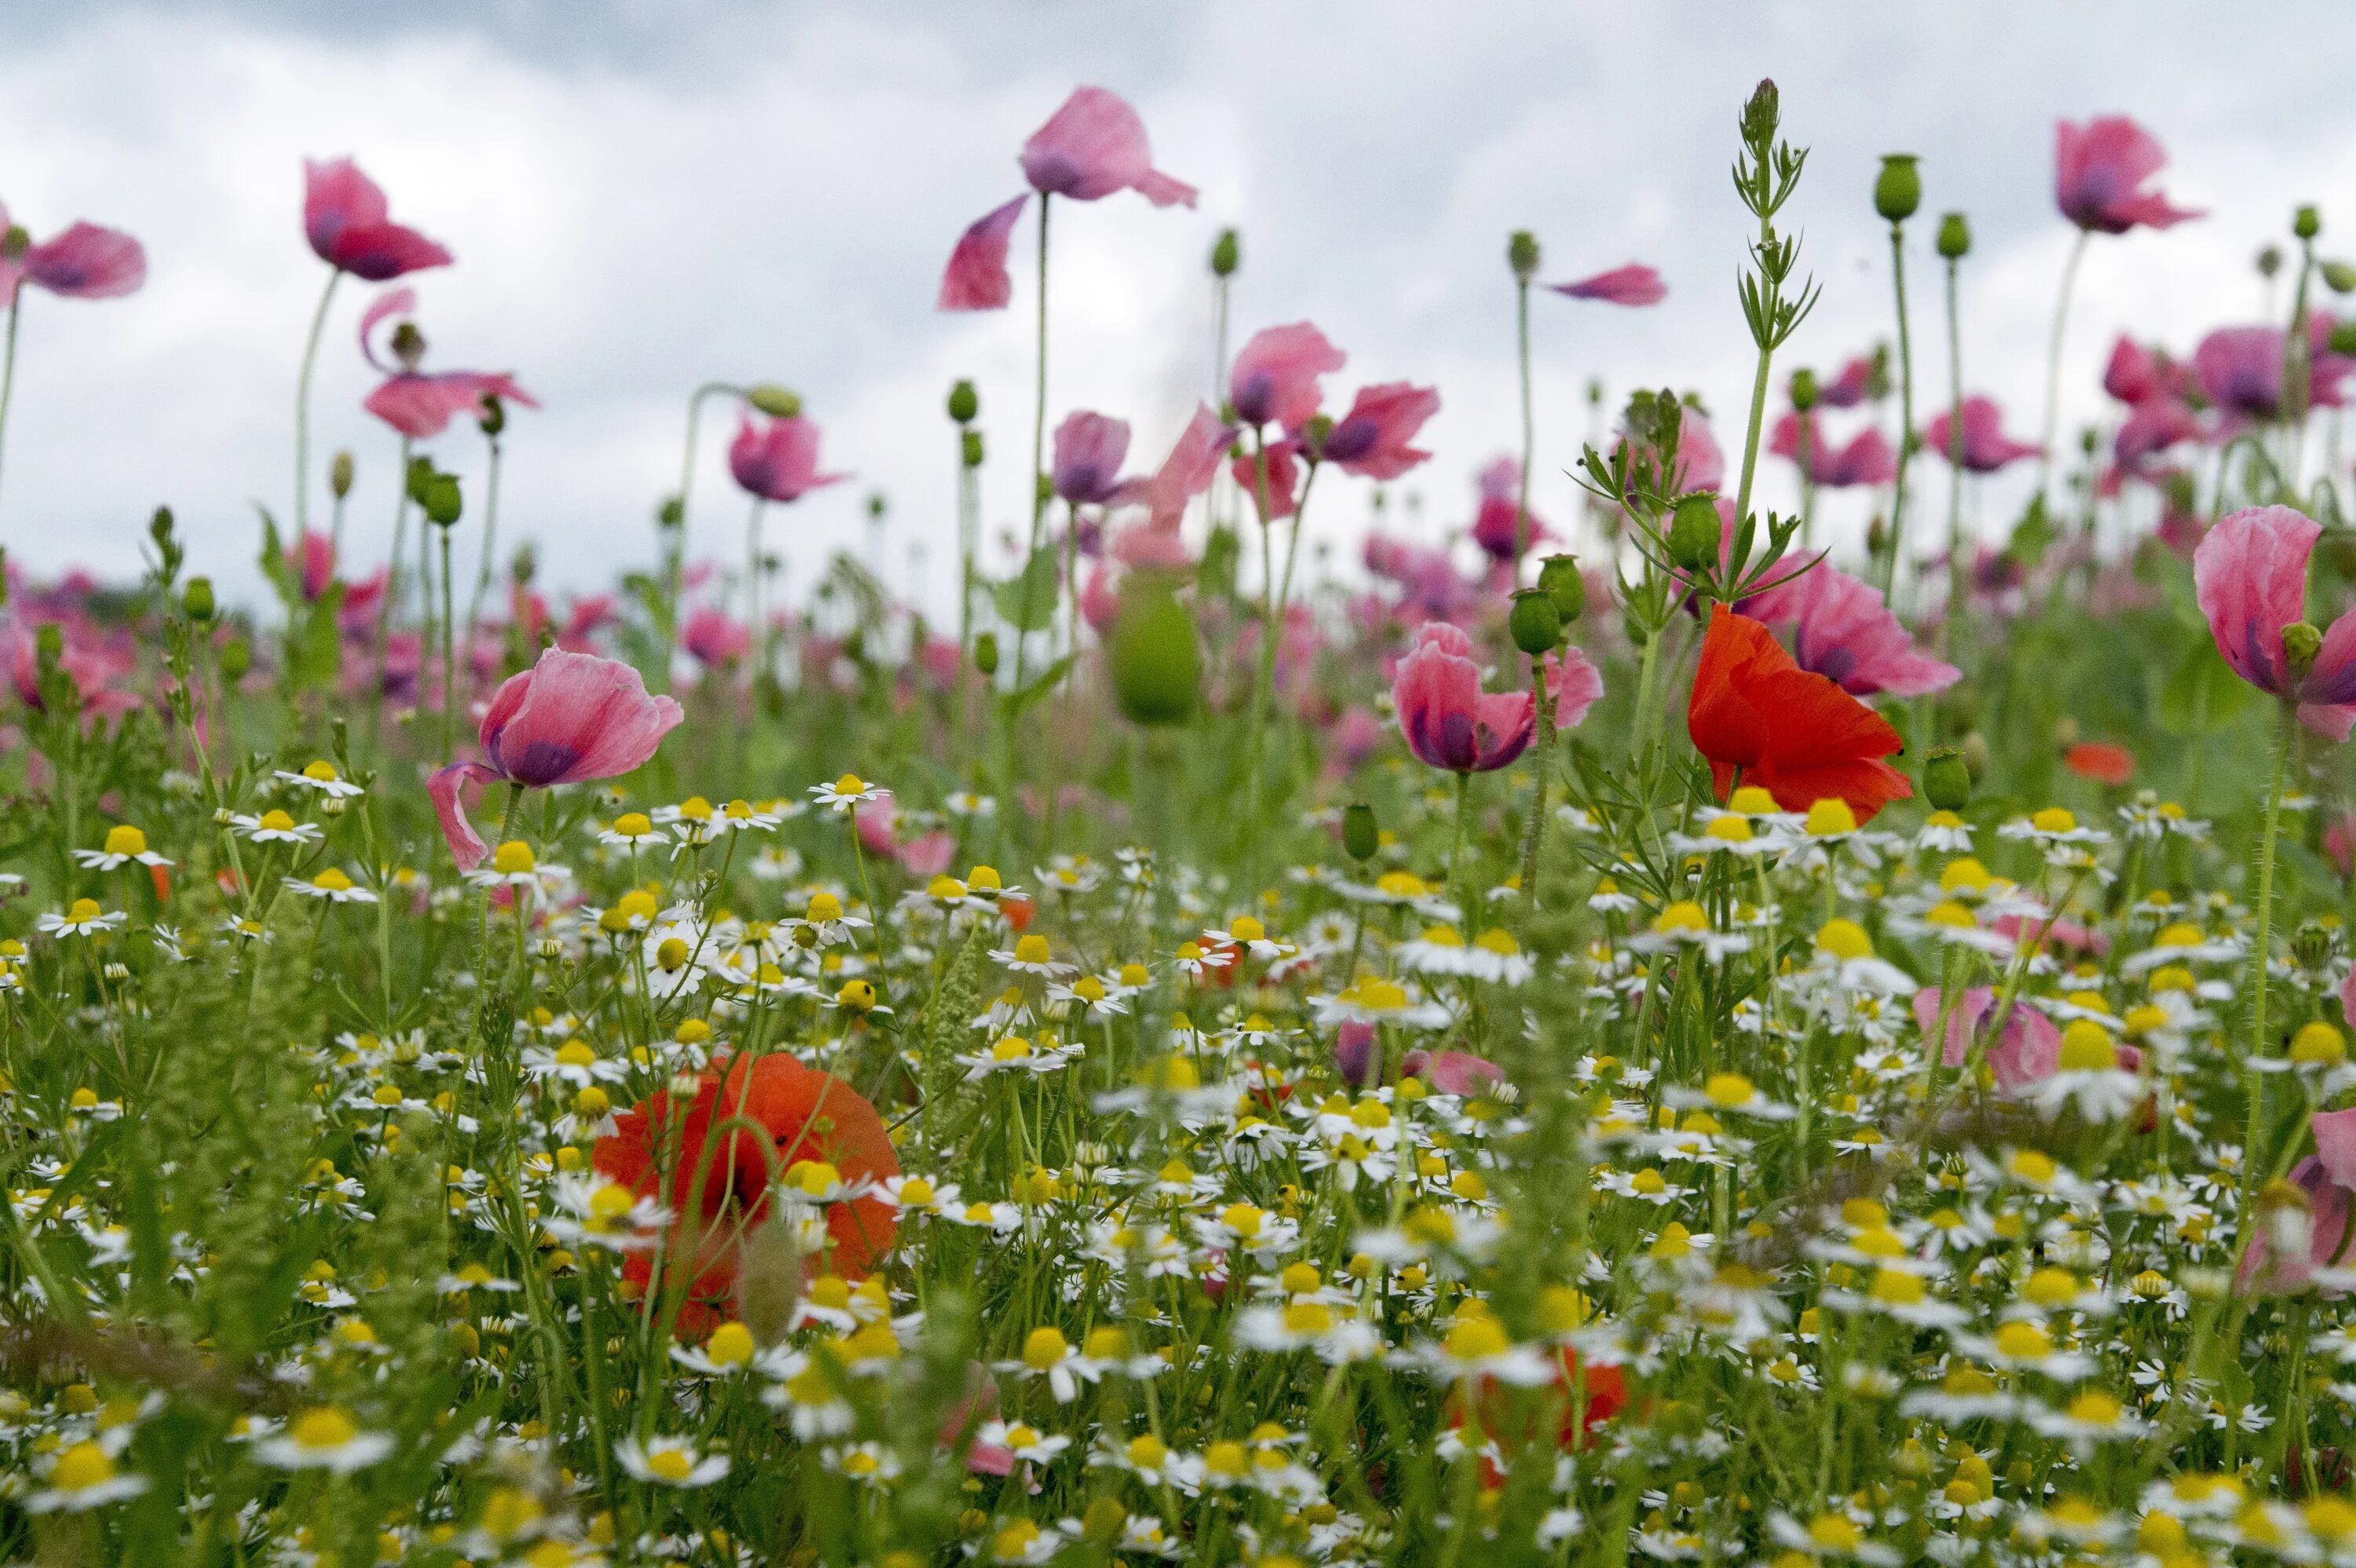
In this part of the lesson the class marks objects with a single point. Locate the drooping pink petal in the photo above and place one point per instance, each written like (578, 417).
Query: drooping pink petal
(2250, 579)
(1573, 686)
(87, 262)
(1189, 469)
(779, 460)
(1276, 378)
(1839, 626)
(1093, 146)
(1986, 446)
(466, 846)
(384, 307)
(419, 406)
(1633, 284)
(347, 220)
(976, 277)
(1370, 440)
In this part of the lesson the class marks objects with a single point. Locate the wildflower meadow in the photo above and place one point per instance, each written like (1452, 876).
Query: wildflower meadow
(1663, 1034)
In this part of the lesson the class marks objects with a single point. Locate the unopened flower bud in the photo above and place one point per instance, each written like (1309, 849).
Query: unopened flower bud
(493, 416)
(1898, 189)
(1522, 254)
(1877, 536)
(985, 652)
(1361, 836)
(196, 599)
(1946, 780)
(15, 242)
(1803, 389)
(1565, 585)
(1976, 754)
(2269, 260)
(769, 1281)
(1314, 434)
(443, 502)
(1762, 113)
(1154, 652)
(1695, 530)
(777, 402)
(420, 474)
(1226, 253)
(1534, 621)
(2343, 338)
(2302, 640)
(2306, 223)
(965, 403)
(236, 658)
(1954, 237)
(2311, 945)
(972, 449)
(2338, 277)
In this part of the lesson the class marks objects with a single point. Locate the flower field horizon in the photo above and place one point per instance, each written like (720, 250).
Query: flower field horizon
(1662, 1032)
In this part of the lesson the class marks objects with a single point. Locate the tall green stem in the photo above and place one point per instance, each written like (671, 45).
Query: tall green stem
(2252, 1080)
(8, 364)
(449, 658)
(1529, 429)
(1905, 415)
(1038, 457)
(1541, 758)
(2053, 364)
(1957, 575)
(302, 402)
(1457, 891)
(488, 562)
(752, 583)
(675, 562)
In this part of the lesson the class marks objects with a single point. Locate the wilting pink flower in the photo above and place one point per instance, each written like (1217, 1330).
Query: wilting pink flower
(1189, 469)
(1840, 628)
(1986, 446)
(2099, 169)
(2327, 1177)
(2028, 1053)
(1635, 283)
(347, 220)
(777, 459)
(419, 405)
(570, 718)
(1450, 722)
(1090, 148)
(312, 559)
(1370, 440)
(713, 637)
(1848, 388)
(1866, 459)
(1275, 380)
(1499, 519)
(2250, 577)
(1089, 449)
(85, 262)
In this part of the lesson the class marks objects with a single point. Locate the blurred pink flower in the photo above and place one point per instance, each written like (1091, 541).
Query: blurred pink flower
(2025, 1056)
(312, 559)
(1450, 722)
(1840, 628)
(1189, 469)
(1456, 1072)
(2327, 1177)
(1866, 459)
(1986, 446)
(2136, 374)
(2099, 170)
(777, 459)
(1498, 518)
(713, 637)
(1370, 440)
(419, 405)
(1701, 464)
(1848, 388)
(1350, 740)
(2240, 368)
(976, 277)
(1089, 449)
(1633, 284)
(2150, 428)
(2250, 577)
(85, 262)
(570, 718)
(1276, 377)
(347, 220)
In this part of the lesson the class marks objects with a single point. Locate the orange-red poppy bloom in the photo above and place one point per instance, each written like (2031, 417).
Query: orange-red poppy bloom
(2101, 762)
(1794, 734)
(664, 1150)
(1602, 1392)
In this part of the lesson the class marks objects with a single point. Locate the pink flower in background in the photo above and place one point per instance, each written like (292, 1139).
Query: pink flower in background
(1986, 446)
(1271, 478)
(1370, 440)
(1633, 284)
(1090, 148)
(2099, 170)
(1350, 740)
(1189, 469)
(570, 718)
(1849, 388)
(1456, 1072)
(2327, 1177)
(2151, 428)
(2136, 374)
(1435, 589)
(2240, 368)
(1277, 379)
(419, 405)
(713, 637)
(777, 459)
(2028, 1053)
(1840, 628)
(85, 262)
(1450, 722)
(348, 223)
(1866, 459)
(2250, 577)
(1089, 450)
(1499, 517)
(312, 559)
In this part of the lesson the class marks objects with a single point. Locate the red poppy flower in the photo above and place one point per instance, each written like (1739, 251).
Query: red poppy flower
(1794, 734)
(1606, 1390)
(2103, 763)
(804, 1115)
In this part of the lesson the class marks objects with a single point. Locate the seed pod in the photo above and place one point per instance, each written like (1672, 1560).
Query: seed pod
(1522, 254)
(1946, 780)
(985, 652)
(965, 403)
(1695, 530)
(1155, 652)
(1566, 584)
(1226, 253)
(777, 402)
(1534, 621)
(1954, 237)
(1898, 189)
(339, 475)
(1361, 835)
(196, 599)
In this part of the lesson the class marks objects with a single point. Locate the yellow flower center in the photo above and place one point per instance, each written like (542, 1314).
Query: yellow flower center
(1830, 816)
(326, 1427)
(2054, 819)
(731, 1345)
(125, 840)
(513, 858)
(81, 1467)
(1844, 939)
(277, 821)
(1030, 949)
(2086, 1047)
(670, 1465)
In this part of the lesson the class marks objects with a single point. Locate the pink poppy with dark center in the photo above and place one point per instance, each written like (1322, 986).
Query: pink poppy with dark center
(348, 223)
(2099, 170)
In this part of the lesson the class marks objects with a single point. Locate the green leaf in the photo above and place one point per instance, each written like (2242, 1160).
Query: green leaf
(1017, 703)
(1026, 601)
(2203, 696)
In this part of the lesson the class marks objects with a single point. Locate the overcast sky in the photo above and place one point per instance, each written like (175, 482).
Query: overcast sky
(646, 194)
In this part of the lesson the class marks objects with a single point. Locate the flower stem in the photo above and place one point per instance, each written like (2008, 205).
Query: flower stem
(488, 564)
(449, 658)
(8, 364)
(1956, 573)
(2253, 1082)
(1529, 429)
(1038, 457)
(1456, 855)
(2053, 364)
(1905, 415)
(302, 401)
(1541, 756)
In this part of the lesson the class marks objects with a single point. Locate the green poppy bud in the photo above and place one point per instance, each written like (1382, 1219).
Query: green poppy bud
(1946, 780)
(1976, 754)
(1954, 237)
(2306, 223)
(1522, 254)
(1695, 530)
(1565, 585)
(1155, 652)
(421, 474)
(196, 599)
(236, 658)
(2269, 260)
(972, 449)
(1804, 390)
(2302, 640)
(493, 417)
(2338, 277)
(15, 242)
(965, 403)
(1535, 623)
(2343, 338)
(774, 400)
(339, 475)
(1361, 836)
(442, 503)
(1226, 253)
(1898, 189)
(985, 652)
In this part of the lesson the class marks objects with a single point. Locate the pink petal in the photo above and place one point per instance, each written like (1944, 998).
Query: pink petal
(976, 277)
(87, 262)
(336, 195)
(466, 846)
(1190, 466)
(2250, 578)
(1276, 377)
(578, 718)
(1094, 145)
(1633, 284)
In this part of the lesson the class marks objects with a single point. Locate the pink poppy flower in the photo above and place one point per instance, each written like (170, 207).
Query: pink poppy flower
(1350, 740)
(1849, 388)
(713, 637)
(85, 262)
(777, 459)
(1271, 478)
(1633, 284)
(2099, 169)
(2327, 1177)
(570, 718)
(1839, 627)
(1456, 1072)
(312, 559)
(417, 404)
(1986, 446)
(2069, 934)
(2136, 374)
(1499, 517)
(1450, 722)
(1275, 380)
(1866, 459)
(1189, 469)
(1435, 589)
(1370, 440)
(2250, 577)
(2025, 1056)
(2151, 428)
(348, 221)
(1093, 146)
(2240, 368)
(1089, 449)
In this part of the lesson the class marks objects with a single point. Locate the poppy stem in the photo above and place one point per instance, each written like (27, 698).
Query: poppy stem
(2253, 1082)
(1957, 598)
(1039, 490)
(2053, 364)
(449, 657)
(1905, 416)
(753, 585)
(675, 560)
(302, 400)
(1456, 855)
(1541, 754)
(392, 596)
(489, 558)
(8, 364)
(1529, 431)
